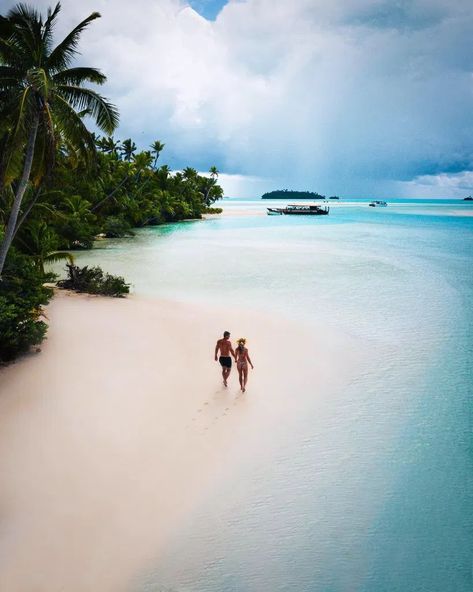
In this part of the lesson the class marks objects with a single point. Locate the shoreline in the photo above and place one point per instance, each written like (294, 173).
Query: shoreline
(120, 426)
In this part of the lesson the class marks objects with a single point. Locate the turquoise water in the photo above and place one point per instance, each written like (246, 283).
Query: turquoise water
(379, 496)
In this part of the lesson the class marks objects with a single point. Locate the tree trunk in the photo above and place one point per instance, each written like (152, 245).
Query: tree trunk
(28, 210)
(20, 192)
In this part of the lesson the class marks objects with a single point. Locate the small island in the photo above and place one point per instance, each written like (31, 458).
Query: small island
(289, 194)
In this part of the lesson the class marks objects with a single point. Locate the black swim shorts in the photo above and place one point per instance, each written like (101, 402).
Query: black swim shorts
(225, 361)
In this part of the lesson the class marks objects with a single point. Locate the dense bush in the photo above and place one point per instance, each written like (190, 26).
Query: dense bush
(117, 227)
(93, 280)
(22, 295)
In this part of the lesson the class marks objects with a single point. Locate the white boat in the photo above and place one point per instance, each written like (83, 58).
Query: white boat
(300, 210)
(378, 204)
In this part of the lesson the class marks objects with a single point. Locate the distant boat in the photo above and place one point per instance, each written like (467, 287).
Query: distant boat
(334, 197)
(469, 198)
(299, 210)
(378, 204)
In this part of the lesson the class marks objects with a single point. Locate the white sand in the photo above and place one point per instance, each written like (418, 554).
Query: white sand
(111, 435)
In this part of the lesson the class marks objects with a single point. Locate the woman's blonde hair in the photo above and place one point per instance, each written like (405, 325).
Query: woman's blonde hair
(242, 340)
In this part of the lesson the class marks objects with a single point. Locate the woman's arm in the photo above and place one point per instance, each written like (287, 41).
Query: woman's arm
(249, 359)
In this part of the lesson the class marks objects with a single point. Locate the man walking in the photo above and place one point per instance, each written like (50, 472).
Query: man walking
(225, 347)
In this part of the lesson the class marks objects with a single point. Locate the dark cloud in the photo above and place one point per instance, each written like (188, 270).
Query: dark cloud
(346, 96)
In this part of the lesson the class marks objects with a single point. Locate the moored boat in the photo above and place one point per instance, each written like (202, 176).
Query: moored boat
(299, 209)
(378, 204)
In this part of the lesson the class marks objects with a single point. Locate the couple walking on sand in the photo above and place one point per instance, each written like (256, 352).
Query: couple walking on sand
(241, 355)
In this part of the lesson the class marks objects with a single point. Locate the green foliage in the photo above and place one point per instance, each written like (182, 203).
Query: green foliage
(289, 194)
(22, 295)
(123, 190)
(93, 280)
(38, 87)
(117, 227)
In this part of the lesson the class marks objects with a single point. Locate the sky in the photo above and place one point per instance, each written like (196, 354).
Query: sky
(357, 98)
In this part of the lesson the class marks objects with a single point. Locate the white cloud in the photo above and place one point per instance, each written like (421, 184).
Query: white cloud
(340, 96)
(243, 186)
(456, 185)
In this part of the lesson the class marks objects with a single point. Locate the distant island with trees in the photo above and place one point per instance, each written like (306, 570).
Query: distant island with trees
(289, 194)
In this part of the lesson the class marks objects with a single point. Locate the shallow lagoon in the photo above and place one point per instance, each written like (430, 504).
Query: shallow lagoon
(373, 493)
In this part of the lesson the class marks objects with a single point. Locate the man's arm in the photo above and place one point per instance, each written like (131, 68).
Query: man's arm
(216, 350)
(232, 352)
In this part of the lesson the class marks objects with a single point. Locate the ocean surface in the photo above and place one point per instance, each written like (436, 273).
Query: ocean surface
(376, 496)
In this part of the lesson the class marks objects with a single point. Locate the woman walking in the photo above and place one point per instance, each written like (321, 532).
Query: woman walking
(242, 360)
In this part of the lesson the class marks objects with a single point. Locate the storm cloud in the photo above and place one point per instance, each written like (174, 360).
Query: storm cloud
(358, 98)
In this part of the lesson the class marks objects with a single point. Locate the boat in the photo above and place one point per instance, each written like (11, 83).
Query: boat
(378, 204)
(299, 210)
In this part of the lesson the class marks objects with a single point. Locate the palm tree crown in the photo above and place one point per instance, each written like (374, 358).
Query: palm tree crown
(38, 84)
(42, 102)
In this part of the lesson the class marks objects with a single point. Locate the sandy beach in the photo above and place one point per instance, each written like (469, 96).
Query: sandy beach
(120, 425)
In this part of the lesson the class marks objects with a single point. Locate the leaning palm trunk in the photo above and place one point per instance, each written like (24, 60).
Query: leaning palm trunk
(20, 192)
(28, 209)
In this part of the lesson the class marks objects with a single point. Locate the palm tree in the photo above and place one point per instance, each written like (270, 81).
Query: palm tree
(141, 161)
(189, 174)
(214, 172)
(42, 102)
(156, 149)
(40, 242)
(128, 148)
(109, 145)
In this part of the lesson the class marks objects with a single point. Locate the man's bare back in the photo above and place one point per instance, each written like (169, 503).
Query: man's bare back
(225, 347)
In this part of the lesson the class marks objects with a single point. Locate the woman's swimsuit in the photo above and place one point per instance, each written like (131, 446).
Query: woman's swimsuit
(242, 363)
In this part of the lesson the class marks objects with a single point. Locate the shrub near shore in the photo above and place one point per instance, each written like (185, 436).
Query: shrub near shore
(22, 296)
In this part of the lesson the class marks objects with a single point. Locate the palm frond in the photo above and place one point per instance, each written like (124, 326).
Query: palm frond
(8, 52)
(59, 256)
(26, 30)
(104, 113)
(77, 76)
(72, 129)
(9, 72)
(48, 27)
(63, 53)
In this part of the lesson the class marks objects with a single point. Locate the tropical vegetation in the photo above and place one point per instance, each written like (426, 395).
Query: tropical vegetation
(290, 194)
(93, 280)
(63, 185)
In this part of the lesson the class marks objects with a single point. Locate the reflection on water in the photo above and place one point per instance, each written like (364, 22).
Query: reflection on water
(371, 493)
